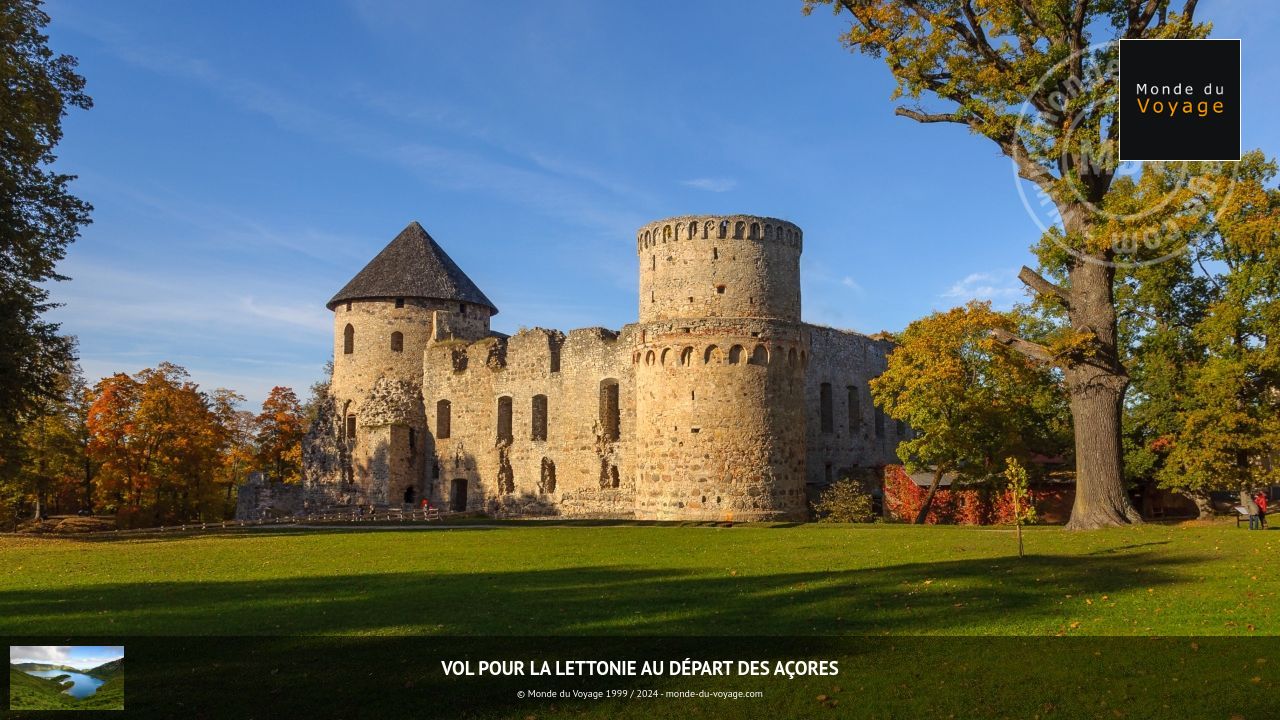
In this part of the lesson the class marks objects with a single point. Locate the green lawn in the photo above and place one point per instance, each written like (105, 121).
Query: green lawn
(547, 579)
(356, 623)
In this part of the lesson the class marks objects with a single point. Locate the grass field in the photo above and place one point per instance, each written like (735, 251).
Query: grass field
(549, 579)
(1160, 621)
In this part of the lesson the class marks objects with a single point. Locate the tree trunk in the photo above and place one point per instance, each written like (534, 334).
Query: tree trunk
(1096, 385)
(1204, 505)
(928, 498)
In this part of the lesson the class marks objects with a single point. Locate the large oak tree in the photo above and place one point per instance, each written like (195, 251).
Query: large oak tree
(1033, 77)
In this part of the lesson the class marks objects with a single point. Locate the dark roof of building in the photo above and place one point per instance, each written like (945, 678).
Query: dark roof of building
(412, 265)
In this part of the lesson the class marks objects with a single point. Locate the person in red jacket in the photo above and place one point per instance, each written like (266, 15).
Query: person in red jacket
(1261, 500)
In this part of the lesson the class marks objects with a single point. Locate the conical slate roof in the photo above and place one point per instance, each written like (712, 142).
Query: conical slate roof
(412, 265)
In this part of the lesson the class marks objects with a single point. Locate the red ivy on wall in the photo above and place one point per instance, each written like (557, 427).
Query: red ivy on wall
(962, 506)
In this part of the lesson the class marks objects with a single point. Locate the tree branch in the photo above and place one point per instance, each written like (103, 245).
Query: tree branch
(1036, 281)
(1032, 350)
(924, 117)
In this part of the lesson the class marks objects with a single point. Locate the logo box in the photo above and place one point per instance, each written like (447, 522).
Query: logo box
(1179, 100)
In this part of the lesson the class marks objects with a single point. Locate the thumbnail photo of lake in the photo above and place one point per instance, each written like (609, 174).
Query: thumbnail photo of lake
(66, 677)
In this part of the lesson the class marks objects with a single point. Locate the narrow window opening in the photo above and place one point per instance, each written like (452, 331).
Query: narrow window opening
(539, 413)
(351, 428)
(855, 411)
(504, 419)
(879, 423)
(397, 342)
(413, 439)
(348, 307)
(719, 289)
(348, 340)
(609, 410)
(444, 419)
(399, 302)
(735, 355)
(824, 401)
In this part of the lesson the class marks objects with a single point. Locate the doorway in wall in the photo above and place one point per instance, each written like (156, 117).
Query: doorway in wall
(458, 495)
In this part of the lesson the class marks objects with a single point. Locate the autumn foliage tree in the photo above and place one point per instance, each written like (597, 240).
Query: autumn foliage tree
(971, 401)
(280, 428)
(159, 443)
(1032, 77)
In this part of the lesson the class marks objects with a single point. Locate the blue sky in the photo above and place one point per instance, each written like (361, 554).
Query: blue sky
(245, 159)
(81, 657)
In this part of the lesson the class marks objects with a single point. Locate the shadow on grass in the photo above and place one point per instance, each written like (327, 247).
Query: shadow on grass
(985, 596)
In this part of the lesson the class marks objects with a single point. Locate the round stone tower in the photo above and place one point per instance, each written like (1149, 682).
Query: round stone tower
(410, 295)
(720, 365)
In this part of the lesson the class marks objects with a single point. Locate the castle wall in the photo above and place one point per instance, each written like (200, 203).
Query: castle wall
(579, 469)
(856, 435)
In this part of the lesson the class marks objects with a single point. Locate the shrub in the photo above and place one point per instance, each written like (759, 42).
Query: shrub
(844, 501)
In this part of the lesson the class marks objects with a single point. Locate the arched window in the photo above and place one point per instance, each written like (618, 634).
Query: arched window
(648, 358)
(504, 418)
(712, 356)
(397, 341)
(791, 357)
(444, 419)
(351, 428)
(348, 340)
(824, 403)
(735, 355)
(686, 356)
(666, 355)
(759, 355)
(609, 410)
(724, 228)
(693, 230)
(539, 430)
(855, 410)
(738, 228)
(755, 231)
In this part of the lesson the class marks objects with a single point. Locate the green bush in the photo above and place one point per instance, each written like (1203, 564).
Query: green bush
(844, 501)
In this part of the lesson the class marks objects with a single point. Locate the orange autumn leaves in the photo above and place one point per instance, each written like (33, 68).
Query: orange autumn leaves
(168, 451)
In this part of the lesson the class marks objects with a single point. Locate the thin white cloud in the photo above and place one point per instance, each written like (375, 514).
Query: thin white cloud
(1000, 287)
(852, 284)
(711, 184)
(310, 316)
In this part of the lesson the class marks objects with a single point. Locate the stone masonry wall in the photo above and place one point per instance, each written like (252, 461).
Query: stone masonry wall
(579, 469)
(856, 435)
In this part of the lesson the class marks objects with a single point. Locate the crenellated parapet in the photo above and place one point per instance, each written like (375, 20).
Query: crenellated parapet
(752, 228)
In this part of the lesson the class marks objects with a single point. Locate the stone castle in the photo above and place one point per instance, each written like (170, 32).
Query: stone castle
(719, 403)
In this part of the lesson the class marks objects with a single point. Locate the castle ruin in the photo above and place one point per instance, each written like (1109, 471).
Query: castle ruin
(719, 403)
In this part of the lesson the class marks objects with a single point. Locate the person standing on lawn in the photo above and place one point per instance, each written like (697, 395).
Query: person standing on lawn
(1250, 507)
(1261, 501)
